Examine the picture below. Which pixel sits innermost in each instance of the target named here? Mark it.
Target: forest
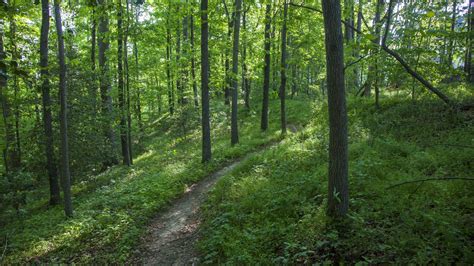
(237, 132)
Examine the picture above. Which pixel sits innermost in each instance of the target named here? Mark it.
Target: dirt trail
(171, 237)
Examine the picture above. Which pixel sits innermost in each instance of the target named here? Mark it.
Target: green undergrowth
(271, 209)
(113, 208)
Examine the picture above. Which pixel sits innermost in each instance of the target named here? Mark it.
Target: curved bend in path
(172, 235)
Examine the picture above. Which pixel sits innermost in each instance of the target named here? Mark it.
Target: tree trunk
(282, 91)
(372, 74)
(10, 154)
(193, 63)
(235, 71)
(65, 173)
(16, 85)
(338, 195)
(51, 166)
(206, 127)
(468, 60)
(266, 68)
(127, 78)
(168, 70)
(137, 73)
(105, 87)
(93, 88)
(245, 80)
(123, 123)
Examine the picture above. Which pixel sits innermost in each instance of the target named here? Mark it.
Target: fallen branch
(397, 57)
(431, 179)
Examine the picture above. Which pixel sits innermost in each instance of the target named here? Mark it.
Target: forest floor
(113, 209)
(171, 237)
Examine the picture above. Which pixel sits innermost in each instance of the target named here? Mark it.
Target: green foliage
(271, 210)
(112, 208)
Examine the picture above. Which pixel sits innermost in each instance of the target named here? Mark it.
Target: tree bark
(338, 194)
(205, 119)
(123, 122)
(65, 172)
(127, 78)
(266, 69)
(245, 80)
(10, 154)
(283, 67)
(105, 86)
(51, 166)
(193, 63)
(235, 71)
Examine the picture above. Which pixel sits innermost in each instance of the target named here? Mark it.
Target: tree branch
(397, 57)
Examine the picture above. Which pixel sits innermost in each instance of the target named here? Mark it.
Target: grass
(113, 208)
(271, 209)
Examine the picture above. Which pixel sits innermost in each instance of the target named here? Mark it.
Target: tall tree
(205, 119)
(338, 194)
(283, 67)
(121, 88)
(127, 87)
(65, 172)
(105, 86)
(372, 79)
(54, 193)
(10, 153)
(266, 68)
(193, 59)
(235, 71)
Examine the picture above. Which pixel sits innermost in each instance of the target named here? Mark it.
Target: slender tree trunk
(338, 194)
(245, 81)
(179, 83)
(137, 72)
(105, 86)
(10, 154)
(372, 72)
(93, 87)
(51, 166)
(451, 41)
(235, 71)
(193, 63)
(168, 69)
(16, 85)
(266, 68)
(206, 127)
(123, 122)
(468, 60)
(283, 71)
(65, 173)
(127, 92)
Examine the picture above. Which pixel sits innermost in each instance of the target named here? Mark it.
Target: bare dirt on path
(171, 237)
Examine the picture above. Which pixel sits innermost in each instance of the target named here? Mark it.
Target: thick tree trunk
(51, 166)
(338, 194)
(105, 86)
(123, 122)
(266, 69)
(235, 71)
(65, 173)
(205, 119)
(283, 67)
